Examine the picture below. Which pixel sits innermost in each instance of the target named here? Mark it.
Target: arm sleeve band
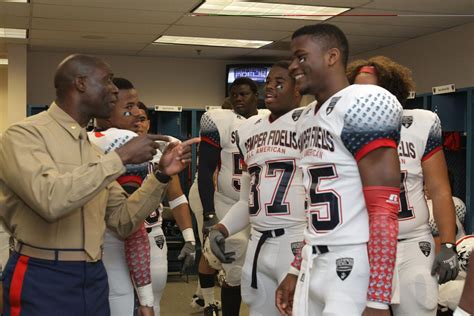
(296, 264)
(383, 206)
(208, 161)
(145, 295)
(178, 201)
(188, 235)
(137, 253)
(237, 218)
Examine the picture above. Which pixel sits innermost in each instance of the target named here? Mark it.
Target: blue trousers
(37, 287)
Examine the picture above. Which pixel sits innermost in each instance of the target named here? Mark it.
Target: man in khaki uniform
(58, 192)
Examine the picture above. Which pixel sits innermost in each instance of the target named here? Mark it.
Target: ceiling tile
(15, 22)
(95, 26)
(424, 6)
(94, 14)
(96, 37)
(261, 24)
(187, 51)
(15, 9)
(384, 30)
(400, 18)
(156, 5)
(179, 30)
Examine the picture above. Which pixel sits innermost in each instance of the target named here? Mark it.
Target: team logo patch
(295, 246)
(258, 121)
(407, 121)
(344, 267)
(425, 247)
(296, 115)
(332, 104)
(160, 241)
(302, 277)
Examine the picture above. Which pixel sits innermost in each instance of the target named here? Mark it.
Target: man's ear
(333, 55)
(80, 83)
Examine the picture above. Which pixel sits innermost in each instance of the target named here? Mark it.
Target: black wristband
(208, 216)
(163, 178)
(450, 245)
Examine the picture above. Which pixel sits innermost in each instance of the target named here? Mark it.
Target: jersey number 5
(325, 205)
(277, 205)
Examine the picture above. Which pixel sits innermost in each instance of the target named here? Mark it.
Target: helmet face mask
(209, 255)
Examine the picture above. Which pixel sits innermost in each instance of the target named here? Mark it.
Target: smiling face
(125, 114)
(309, 65)
(280, 91)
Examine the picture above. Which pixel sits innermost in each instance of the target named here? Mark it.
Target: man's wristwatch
(450, 245)
(209, 216)
(163, 178)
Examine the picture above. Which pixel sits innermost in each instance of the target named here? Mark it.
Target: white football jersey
(270, 151)
(350, 124)
(219, 128)
(114, 138)
(420, 138)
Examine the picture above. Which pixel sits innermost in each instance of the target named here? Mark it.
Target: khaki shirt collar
(67, 122)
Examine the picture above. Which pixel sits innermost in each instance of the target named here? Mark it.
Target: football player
(218, 149)
(132, 257)
(272, 194)
(348, 140)
(421, 160)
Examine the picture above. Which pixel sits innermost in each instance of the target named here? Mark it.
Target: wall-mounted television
(256, 72)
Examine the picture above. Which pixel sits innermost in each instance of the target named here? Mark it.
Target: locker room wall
(437, 59)
(190, 83)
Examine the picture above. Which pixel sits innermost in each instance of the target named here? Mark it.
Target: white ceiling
(126, 27)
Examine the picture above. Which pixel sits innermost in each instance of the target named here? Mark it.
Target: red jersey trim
(129, 178)
(431, 153)
(367, 148)
(210, 142)
(98, 134)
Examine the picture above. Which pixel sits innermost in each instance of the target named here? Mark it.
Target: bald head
(72, 67)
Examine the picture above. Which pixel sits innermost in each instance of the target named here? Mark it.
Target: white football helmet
(209, 255)
(464, 248)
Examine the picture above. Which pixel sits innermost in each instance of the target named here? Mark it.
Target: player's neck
(251, 114)
(335, 85)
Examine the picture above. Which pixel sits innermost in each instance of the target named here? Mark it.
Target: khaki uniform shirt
(58, 191)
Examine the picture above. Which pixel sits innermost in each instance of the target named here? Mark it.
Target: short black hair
(123, 84)
(285, 64)
(143, 107)
(331, 35)
(245, 81)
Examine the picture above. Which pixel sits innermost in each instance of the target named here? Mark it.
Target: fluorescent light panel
(207, 41)
(269, 10)
(3, 61)
(12, 33)
(20, 1)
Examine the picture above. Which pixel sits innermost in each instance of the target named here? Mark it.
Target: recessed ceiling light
(207, 41)
(268, 10)
(3, 61)
(12, 33)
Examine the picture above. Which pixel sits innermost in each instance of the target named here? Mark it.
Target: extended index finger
(191, 141)
(156, 137)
